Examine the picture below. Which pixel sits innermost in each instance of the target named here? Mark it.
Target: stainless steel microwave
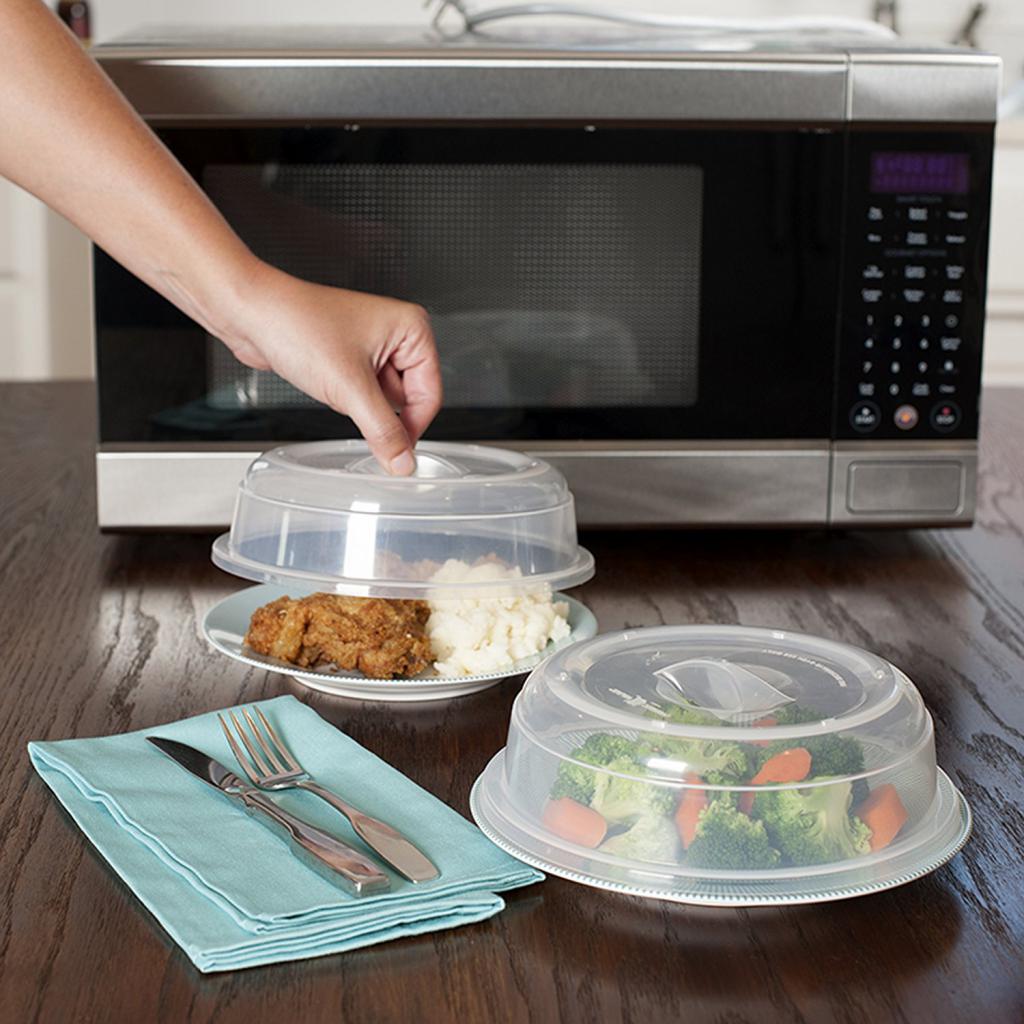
(736, 282)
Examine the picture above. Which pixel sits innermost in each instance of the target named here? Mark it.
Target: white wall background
(44, 286)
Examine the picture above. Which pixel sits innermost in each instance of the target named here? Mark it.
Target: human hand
(363, 355)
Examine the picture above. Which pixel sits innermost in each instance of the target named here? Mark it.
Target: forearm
(68, 137)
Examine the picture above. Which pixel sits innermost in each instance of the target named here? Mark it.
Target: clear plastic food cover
(471, 521)
(722, 765)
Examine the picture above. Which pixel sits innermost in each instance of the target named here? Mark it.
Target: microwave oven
(717, 282)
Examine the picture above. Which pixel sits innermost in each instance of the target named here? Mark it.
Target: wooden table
(99, 634)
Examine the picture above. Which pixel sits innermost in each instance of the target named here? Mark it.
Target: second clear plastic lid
(471, 521)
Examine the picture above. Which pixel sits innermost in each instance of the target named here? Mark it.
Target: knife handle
(386, 841)
(319, 850)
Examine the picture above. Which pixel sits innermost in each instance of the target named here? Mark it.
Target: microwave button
(950, 344)
(954, 271)
(894, 390)
(917, 213)
(948, 366)
(951, 321)
(867, 366)
(913, 294)
(914, 272)
(956, 214)
(874, 237)
(921, 389)
(864, 417)
(897, 320)
(905, 417)
(947, 389)
(926, 320)
(875, 213)
(871, 294)
(917, 238)
(923, 344)
(953, 295)
(955, 239)
(922, 367)
(945, 417)
(869, 343)
(866, 389)
(894, 367)
(897, 344)
(873, 272)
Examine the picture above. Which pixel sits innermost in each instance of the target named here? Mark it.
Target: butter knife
(319, 850)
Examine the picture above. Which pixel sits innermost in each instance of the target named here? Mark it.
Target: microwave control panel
(913, 304)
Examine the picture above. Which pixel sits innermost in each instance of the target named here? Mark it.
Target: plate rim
(829, 894)
(415, 685)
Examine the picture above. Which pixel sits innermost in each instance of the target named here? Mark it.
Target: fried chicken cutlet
(380, 638)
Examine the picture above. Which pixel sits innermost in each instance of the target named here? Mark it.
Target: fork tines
(269, 759)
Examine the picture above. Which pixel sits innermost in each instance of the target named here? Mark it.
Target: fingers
(384, 432)
(392, 386)
(417, 361)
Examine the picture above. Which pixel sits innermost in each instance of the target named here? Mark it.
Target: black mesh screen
(550, 285)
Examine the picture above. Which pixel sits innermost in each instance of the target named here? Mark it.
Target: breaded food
(382, 639)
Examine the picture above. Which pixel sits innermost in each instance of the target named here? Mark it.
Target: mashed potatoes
(478, 635)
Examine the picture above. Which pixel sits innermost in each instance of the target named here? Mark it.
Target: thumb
(380, 425)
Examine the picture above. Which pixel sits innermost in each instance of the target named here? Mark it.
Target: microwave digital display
(937, 173)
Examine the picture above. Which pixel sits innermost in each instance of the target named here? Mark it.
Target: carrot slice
(883, 812)
(792, 765)
(763, 723)
(746, 801)
(693, 801)
(574, 821)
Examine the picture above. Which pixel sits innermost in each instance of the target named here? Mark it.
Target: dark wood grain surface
(99, 634)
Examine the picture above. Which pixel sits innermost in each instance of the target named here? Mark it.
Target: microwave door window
(550, 285)
(613, 285)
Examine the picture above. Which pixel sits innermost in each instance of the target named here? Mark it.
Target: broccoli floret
(619, 799)
(795, 714)
(813, 825)
(830, 755)
(689, 714)
(727, 839)
(718, 762)
(599, 748)
(651, 838)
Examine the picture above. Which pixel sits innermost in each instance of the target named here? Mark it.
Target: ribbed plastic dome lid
(722, 765)
(472, 519)
(733, 683)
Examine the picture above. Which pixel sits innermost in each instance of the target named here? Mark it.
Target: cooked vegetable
(884, 814)
(628, 796)
(718, 762)
(830, 755)
(791, 765)
(692, 803)
(812, 825)
(651, 838)
(688, 713)
(600, 748)
(574, 821)
(763, 723)
(795, 714)
(728, 839)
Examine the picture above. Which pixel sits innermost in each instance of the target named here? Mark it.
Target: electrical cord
(474, 19)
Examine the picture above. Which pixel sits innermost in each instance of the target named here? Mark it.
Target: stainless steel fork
(271, 765)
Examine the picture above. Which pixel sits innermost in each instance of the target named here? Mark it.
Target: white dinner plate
(227, 622)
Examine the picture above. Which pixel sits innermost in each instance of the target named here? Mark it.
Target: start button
(906, 417)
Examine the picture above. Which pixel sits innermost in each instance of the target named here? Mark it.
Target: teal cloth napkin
(225, 887)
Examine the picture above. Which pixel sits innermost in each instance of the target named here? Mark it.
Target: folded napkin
(225, 887)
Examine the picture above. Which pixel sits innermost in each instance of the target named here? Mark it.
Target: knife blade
(329, 857)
